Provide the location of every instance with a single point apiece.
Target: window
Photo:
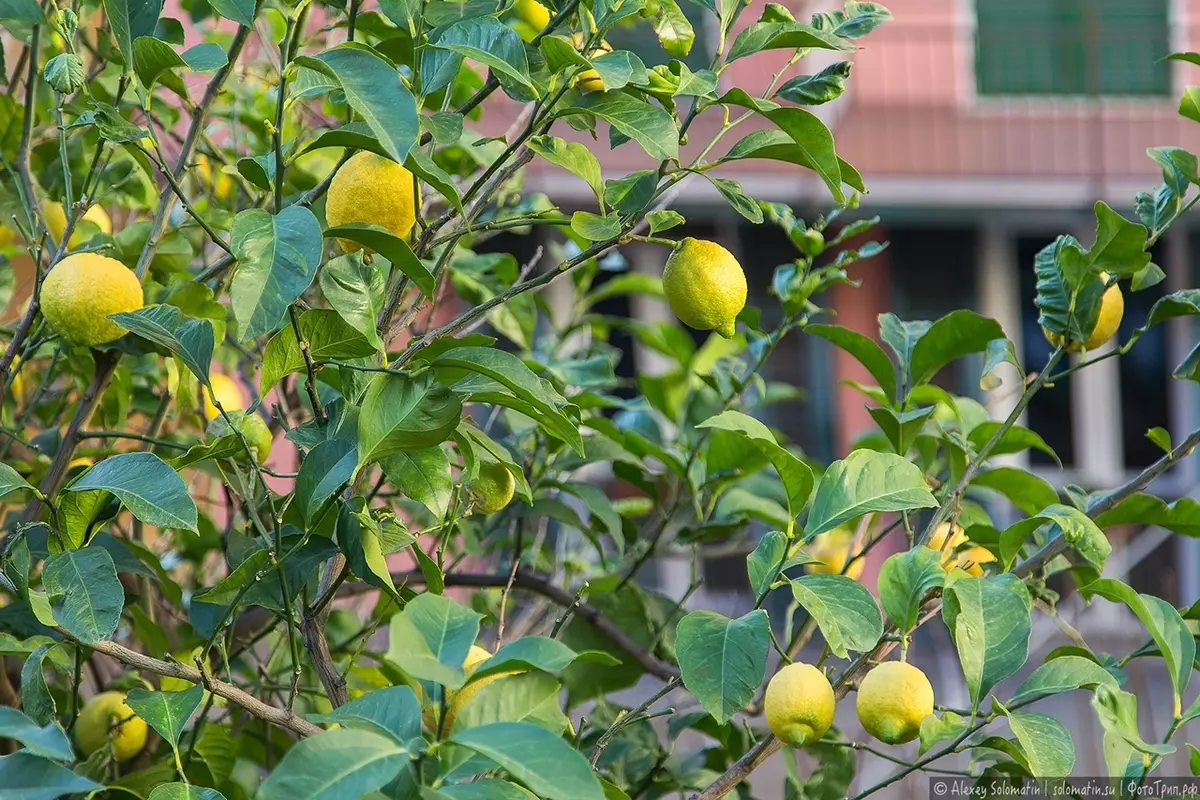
(1072, 47)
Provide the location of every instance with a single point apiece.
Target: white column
(998, 285)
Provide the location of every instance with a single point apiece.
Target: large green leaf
(1123, 742)
(355, 289)
(422, 475)
(1026, 491)
(402, 414)
(722, 660)
(85, 596)
(360, 537)
(391, 247)
(183, 791)
(151, 490)
(537, 758)
(988, 620)
(536, 652)
(240, 11)
(1068, 290)
(797, 478)
(168, 327)
(955, 335)
(26, 776)
(776, 145)
(393, 711)
(430, 639)
(1182, 516)
(49, 741)
(815, 143)
(22, 11)
(784, 36)
(543, 401)
(325, 469)
(129, 19)
(525, 697)
(374, 89)
(1164, 624)
(648, 125)
(166, 712)
(1046, 741)
(328, 337)
(1076, 527)
(845, 612)
(488, 41)
(863, 348)
(864, 482)
(574, 158)
(335, 765)
(277, 257)
(1063, 674)
(11, 481)
(904, 580)
(36, 699)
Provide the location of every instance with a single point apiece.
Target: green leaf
(391, 247)
(183, 791)
(36, 699)
(650, 126)
(1014, 440)
(1046, 741)
(1117, 712)
(1164, 624)
(863, 482)
(130, 19)
(490, 42)
(674, 29)
(1023, 489)
(797, 478)
(11, 481)
(764, 564)
(360, 537)
(536, 652)
(784, 36)
(537, 758)
(865, 350)
(664, 219)
(1077, 528)
(191, 340)
(1120, 246)
(632, 193)
(904, 580)
(1068, 291)
(277, 257)
(543, 401)
(26, 776)
(22, 11)
(402, 413)
(335, 764)
(482, 789)
(393, 711)
(240, 11)
(49, 741)
(723, 661)
(523, 697)
(327, 467)
(937, 728)
(373, 88)
(65, 73)
(742, 203)
(151, 490)
(814, 90)
(152, 57)
(574, 158)
(901, 427)
(594, 227)
(815, 142)
(329, 337)
(1185, 302)
(955, 335)
(85, 596)
(1063, 674)
(620, 68)
(422, 475)
(166, 712)
(430, 638)
(845, 612)
(1182, 516)
(355, 289)
(988, 619)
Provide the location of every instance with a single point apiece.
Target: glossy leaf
(797, 478)
(328, 337)
(130, 19)
(784, 36)
(277, 257)
(650, 126)
(988, 619)
(722, 661)
(403, 414)
(574, 158)
(36, 700)
(393, 711)
(11, 481)
(815, 143)
(26, 776)
(536, 652)
(391, 247)
(355, 289)
(1063, 674)
(541, 760)
(49, 741)
(325, 469)
(430, 638)
(845, 612)
(166, 712)
(865, 350)
(183, 791)
(151, 490)
(488, 41)
(904, 580)
(85, 596)
(864, 482)
(373, 88)
(333, 765)
(955, 335)
(191, 340)
(1046, 741)
(422, 475)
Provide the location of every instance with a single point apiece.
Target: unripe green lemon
(1112, 310)
(106, 717)
(371, 190)
(812, 242)
(892, 700)
(82, 290)
(493, 489)
(705, 286)
(252, 427)
(799, 704)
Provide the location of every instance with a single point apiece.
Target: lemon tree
(309, 490)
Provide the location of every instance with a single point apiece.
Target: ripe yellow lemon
(228, 392)
(493, 489)
(16, 386)
(973, 558)
(56, 222)
(892, 700)
(82, 290)
(532, 13)
(106, 717)
(213, 176)
(371, 190)
(455, 700)
(1112, 310)
(705, 286)
(799, 704)
(589, 80)
(833, 549)
(945, 538)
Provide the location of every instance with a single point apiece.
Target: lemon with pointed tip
(705, 286)
(833, 550)
(56, 222)
(892, 700)
(82, 290)
(799, 704)
(1112, 311)
(493, 489)
(371, 190)
(106, 718)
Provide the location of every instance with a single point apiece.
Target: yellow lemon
(833, 549)
(220, 181)
(493, 489)
(589, 80)
(455, 700)
(228, 392)
(533, 13)
(16, 386)
(705, 286)
(56, 222)
(82, 290)
(1112, 310)
(799, 704)
(106, 718)
(371, 190)
(892, 700)
(973, 558)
